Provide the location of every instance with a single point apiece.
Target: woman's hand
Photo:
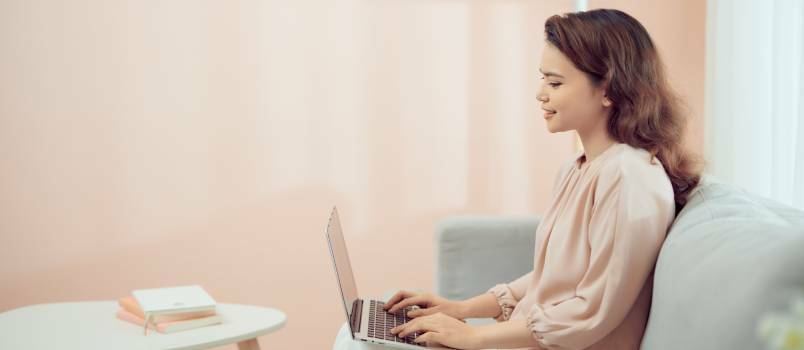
(441, 329)
(429, 304)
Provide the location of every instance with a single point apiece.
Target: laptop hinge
(357, 312)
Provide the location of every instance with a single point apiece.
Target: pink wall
(148, 144)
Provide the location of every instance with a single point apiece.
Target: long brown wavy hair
(614, 49)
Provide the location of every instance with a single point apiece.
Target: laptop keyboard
(381, 322)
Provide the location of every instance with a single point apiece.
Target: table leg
(251, 344)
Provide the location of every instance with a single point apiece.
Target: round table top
(93, 325)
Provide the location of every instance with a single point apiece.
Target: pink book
(130, 304)
(169, 327)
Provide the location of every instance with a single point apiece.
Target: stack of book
(169, 310)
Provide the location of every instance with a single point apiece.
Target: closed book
(130, 304)
(170, 327)
(172, 300)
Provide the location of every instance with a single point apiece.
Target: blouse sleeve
(509, 294)
(631, 214)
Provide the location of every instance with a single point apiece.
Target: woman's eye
(552, 84)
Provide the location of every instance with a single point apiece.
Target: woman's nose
(541, 97)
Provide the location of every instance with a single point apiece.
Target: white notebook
(171, 300)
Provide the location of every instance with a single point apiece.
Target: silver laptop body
(366, 318)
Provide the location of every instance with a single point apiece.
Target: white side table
(93, 325)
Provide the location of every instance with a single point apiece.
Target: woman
(610, 209)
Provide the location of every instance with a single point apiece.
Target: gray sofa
(729, 257)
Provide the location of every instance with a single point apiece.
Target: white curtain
(754, 114)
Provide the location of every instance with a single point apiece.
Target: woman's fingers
(402, 294)
(408, 328)
(401, 327)
(439, 329)
(429, 338)
(415, 300)
(424, 312)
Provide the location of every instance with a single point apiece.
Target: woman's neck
(595, 143)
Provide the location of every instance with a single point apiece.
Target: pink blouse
(596, 247)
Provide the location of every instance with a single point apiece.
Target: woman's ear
(606, 101)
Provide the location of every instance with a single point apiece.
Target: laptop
(367, 319)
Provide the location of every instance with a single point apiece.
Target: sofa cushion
(729, 257)
(476, 252)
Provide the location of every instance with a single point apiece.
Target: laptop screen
(343, 268)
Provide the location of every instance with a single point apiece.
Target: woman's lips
(548, 115)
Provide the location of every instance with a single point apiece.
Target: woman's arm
(506, 335)
(445, 330)
(481, 306)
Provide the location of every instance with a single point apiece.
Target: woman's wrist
(481, 338)
(508, 334)
(464, 309)
(481, 306)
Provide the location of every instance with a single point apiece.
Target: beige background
(159, 143)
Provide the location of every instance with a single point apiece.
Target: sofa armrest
(473, 253)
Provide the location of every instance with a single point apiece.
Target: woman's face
(569, 99)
